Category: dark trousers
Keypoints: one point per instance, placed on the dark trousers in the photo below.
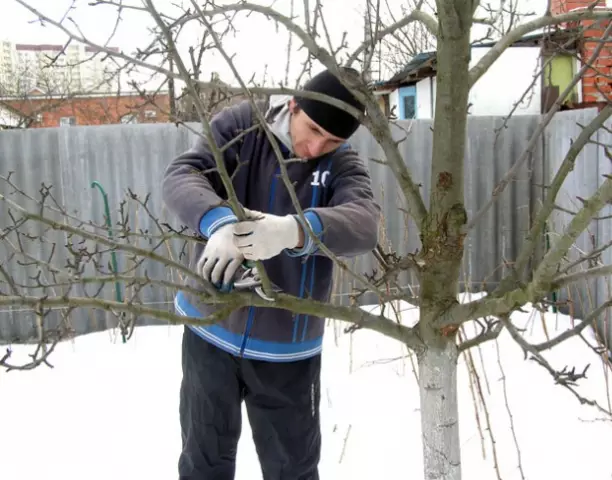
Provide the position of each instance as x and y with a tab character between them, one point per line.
282	401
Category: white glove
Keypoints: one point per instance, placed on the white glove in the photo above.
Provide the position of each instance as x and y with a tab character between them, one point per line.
264	235
220	259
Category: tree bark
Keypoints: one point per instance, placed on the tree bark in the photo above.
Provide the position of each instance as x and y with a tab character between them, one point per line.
440	412
441	233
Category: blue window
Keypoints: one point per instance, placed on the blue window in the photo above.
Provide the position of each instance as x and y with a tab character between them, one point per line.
407	102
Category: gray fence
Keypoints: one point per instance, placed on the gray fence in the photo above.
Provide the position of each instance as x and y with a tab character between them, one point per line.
133	157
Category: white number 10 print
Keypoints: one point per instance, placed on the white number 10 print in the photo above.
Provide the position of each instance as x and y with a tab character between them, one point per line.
319	179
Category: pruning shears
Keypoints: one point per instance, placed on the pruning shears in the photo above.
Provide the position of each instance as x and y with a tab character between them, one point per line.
250	280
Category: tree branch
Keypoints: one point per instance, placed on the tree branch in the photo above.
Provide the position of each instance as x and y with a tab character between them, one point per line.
499	304
357	316
566	379
542	277
564	280
587	322
549	203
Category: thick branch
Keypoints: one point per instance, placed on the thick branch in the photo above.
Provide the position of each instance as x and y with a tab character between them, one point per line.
544	277
107	305
544	274
356	316
549	203
516	298
494	331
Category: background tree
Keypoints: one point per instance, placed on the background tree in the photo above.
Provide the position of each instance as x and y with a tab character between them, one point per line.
441	219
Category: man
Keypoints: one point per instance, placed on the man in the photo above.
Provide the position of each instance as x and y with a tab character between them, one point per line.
267	357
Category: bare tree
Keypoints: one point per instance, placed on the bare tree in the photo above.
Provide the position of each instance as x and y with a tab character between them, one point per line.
443	225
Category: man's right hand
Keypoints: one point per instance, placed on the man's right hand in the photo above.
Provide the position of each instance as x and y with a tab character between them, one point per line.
220	259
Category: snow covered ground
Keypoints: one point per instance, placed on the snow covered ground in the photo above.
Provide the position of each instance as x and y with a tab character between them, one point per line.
110	410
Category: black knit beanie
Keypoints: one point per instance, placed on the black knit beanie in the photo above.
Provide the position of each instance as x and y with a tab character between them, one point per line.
337	122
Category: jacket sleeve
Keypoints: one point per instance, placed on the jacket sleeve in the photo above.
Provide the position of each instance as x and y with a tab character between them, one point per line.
348	224
192	187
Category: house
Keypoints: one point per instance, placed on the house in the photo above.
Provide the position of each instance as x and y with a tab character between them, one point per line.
38	109
526	79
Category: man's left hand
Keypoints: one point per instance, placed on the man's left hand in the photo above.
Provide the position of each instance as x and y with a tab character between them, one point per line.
264	235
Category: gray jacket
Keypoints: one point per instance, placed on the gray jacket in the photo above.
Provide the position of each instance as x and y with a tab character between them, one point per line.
336	196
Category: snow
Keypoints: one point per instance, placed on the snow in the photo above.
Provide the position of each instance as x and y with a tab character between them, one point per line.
110	410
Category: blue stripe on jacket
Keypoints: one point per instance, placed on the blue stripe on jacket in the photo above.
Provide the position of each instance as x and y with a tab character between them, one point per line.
257	349
309	247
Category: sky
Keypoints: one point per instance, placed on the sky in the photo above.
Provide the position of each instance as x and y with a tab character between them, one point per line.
258	48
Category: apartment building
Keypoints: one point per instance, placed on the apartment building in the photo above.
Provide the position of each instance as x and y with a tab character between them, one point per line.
7	63
56	69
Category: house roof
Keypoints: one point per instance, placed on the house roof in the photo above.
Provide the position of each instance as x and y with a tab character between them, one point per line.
423	65
414	66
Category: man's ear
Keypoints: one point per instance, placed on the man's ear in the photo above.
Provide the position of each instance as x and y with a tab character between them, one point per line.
293	106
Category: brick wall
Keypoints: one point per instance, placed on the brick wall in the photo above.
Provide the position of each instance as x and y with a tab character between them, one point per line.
90	110
597	81
564	6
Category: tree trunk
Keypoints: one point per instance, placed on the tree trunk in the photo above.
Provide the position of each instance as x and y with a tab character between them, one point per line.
442	240
440	412
441	234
